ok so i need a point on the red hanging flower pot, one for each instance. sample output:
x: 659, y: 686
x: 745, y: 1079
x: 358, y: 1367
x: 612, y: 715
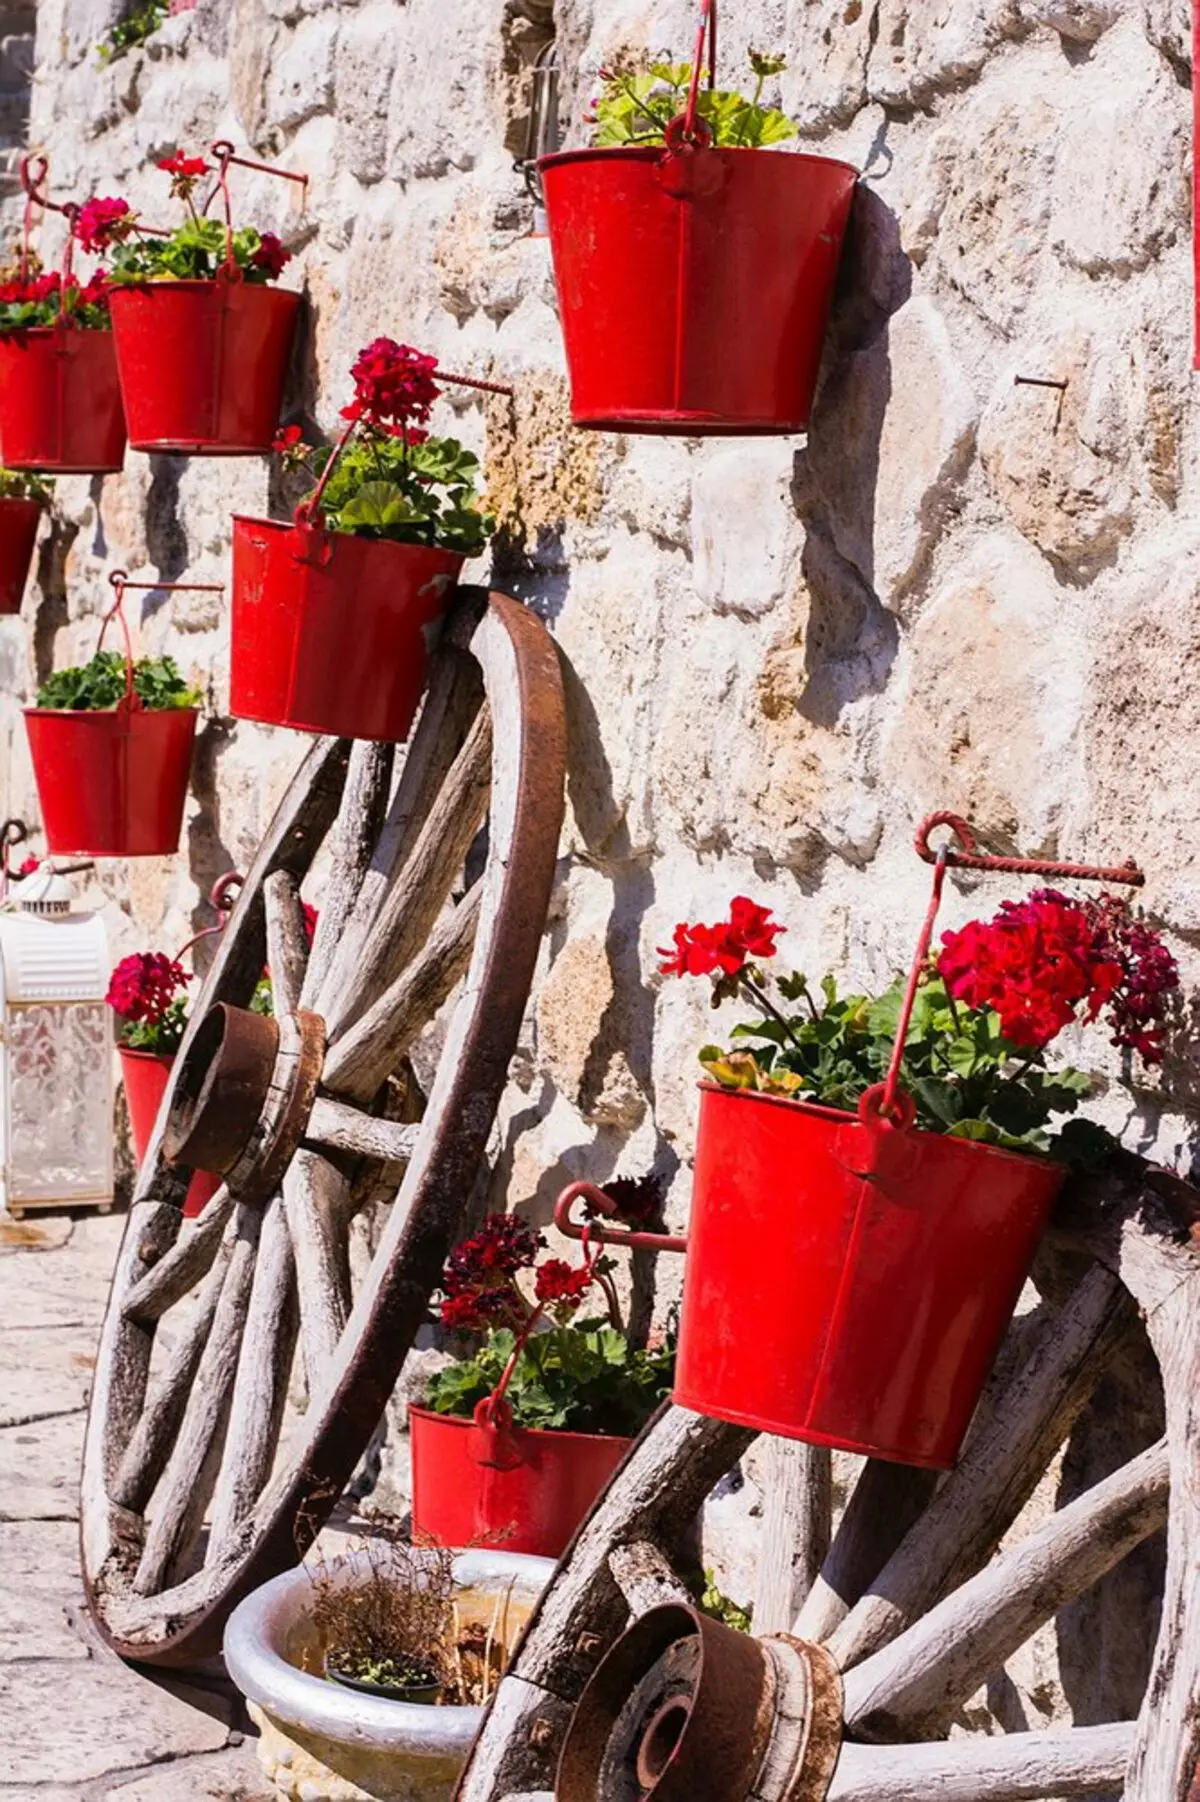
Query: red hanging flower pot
x: 695, y: 267
x: 332, y: 632
x: 60, y: 401
x: 145, y: 1075
x: 694, y: 284
x: 111, y: 744
x: 880, y: 1268
x: 203, y: 363
x: 112, y: 784
x: 516, y: 1488
x: 18, y: 535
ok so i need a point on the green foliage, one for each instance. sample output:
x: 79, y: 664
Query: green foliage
x: 717, y: 1605
x: 195, y: 251
x: 581, y: 1378
x: 162, y: 1036
x: 20, y: 485
x: 410, y: 493
x: 97, y: 686
x: 143, y: 18
x: 635, y: 107
x: 966, y: 1079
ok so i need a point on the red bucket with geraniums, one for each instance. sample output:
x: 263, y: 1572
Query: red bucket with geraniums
x: 203, y: 338
x: 147, y: 996
x: 695, y: 265
x: 22, y: 500
x: 873, y: 1174
x: 111, y: 744
x: 60, y: 402
x: 336, y: 615
x: 521, y: 1434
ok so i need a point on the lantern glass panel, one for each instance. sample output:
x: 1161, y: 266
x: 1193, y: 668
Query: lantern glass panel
x: 60, y: 1106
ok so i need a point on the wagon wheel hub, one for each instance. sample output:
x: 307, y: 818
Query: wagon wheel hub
x: 683, y: 1706
x: 244, y: 1096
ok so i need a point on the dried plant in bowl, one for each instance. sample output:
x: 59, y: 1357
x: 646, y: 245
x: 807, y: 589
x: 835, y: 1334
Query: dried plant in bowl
x: 391, y: 1620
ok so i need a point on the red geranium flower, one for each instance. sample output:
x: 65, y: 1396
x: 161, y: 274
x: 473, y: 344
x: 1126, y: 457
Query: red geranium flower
x: 184, y: 168
x: 288, y: 437
x: 559, y: 1284
x: 703, y: 950
x: 271, y: 256
x: 143, y: 986
x: 28, y: 865
x: 103, y: 221
x: 393, y: 382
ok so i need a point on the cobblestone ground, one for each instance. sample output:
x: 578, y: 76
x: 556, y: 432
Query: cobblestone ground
x: 79, y: 1726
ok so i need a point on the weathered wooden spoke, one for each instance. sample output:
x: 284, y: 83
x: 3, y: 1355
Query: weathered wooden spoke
x: 198, y: 1482
x: 922, y: 1595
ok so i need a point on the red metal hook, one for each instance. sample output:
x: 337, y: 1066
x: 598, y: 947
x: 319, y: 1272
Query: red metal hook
x: 589, y: 1233
x: 224, y: 900
x: 968, y: 857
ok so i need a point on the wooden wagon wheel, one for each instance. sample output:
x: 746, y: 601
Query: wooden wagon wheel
x: 913, y: 1607
x: 192, y: 1495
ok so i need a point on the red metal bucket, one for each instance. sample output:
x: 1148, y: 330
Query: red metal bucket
x: 18, y: 535
x: 333, y: 633
x: 855, y: 1312
x: 520, y: 1489
x: 60, y: 401
x: 112, y: 784
x: 203, y: 364
x: 694, y: 285
x: 145, y: 1075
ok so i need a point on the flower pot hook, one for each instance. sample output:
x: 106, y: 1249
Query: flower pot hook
x: 225, y: 154
x: 689, y: 130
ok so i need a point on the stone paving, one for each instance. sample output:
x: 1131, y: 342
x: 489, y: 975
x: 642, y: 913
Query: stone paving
x: 79, y: 1726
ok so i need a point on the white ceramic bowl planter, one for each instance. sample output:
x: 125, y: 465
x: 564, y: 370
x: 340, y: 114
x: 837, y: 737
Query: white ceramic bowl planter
x: 324, y: 1743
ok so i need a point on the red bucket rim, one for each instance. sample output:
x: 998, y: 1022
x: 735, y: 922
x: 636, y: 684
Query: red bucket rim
x: 54, y: 331
x: 391, y: 544
x: 147, y: 1057
x: 106, y: 713
x: 558, y: 1434
x: 198, y: 285
x: 839, y: 1115
x: 653, y: 153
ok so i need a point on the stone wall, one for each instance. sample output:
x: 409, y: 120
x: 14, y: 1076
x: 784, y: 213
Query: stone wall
x: 960, y: 591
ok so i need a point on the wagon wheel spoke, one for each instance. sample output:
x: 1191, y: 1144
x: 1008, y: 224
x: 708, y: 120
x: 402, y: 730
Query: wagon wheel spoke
x: 210, y: 1444
x: 260, y: 1390
x: 914, y: 1591
x: 191, y: 1471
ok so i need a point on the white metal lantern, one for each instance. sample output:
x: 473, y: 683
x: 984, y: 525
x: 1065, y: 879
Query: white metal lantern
x: 56, y: 1061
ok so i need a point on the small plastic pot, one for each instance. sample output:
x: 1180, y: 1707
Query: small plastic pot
x: 113, y: 783
x: 850, y: 1285
x: 60, y: 401
x: 203, y: 364
x: 145, y: 1075
x: 333, y: 633
x: 18, y: 535
x: 424, y: 1694
x: 520, y: 1489
x: 694, y: 284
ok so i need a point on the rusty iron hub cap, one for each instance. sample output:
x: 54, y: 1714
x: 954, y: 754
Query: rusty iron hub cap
x: 243, y: 1097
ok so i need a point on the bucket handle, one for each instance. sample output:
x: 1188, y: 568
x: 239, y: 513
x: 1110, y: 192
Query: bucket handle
x: 688, y: 130
x: 119, y: 582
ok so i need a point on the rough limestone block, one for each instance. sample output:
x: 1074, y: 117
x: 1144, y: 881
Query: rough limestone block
x: 891, y: 438
x: 366, y: 60
x: 745, y: 541
x: 1121, y: 189
x: 300, y: 81
x: 990, y: 698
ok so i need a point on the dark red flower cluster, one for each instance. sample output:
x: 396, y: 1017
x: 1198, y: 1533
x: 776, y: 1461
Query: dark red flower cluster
x: 143, y: 986
x: 271, y: 255
x: 37, y: 289
x: 393, y: 384
x: 1149, y: 979
x: 1048, y: 961
x: 102, y: 222
x: 727, y: 947
x: 560, y: 1283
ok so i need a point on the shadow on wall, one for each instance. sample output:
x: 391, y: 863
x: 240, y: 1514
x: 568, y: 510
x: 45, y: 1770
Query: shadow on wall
x: 52, y: 614
x: 850, y: 637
